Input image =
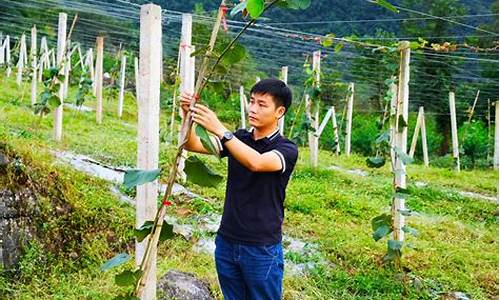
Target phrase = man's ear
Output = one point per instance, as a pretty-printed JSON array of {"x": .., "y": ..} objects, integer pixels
[{"x": 280, "y": 111}]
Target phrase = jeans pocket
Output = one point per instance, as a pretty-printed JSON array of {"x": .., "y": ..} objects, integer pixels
[{"x": 272, "y": 250}]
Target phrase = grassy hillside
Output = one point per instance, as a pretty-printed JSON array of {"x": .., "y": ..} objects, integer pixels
[{"x": 456, "y": 250}]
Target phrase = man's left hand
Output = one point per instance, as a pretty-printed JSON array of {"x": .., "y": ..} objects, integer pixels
[{"x": 207, "y": 118}]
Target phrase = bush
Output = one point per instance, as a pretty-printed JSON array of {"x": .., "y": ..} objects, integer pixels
[{"x": 474, "y": 148}]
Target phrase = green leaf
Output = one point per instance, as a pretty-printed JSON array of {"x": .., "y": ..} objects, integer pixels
[
  {"x": 134, "y": 177},
  {"x": 167, "y": 231},
  {"x": 295, "y": 4},
  {"x": 381, "y": 226},
  {"x": 405, "y": 212},
  {"x": 394, "y": 245},
  {"x": 338, "y": 47},
  {"x": 383, "y": 137},
  {"x": 405, "y": 158},
  {"x": 402, "y": 190},
  {"x": 197, "y": 172},
  {"x": 386, "y": 4},
  {"x": 328, "y": 40},
  {"x": 393, "y": 250},
  {"x": 142, "y": 232},
  {"x": 54, "y": 101},
  {"x": 375, "y": 162},
  {"x": 234, "y": 55},
  {"x": 117, "y": 260},
  {"x": 255, "y": 8},
  {"x": 410, "y": 230},
  {"x": 200, "y": 50},
  {"x": 381, "y": 232},
  {"x": 238, "y": 8},
  {"x": 400, "y": 195},
  {"x": 205, "y": 139},
  {"x": 401, "y": 123},
  {"x": 127, "y": 277}
]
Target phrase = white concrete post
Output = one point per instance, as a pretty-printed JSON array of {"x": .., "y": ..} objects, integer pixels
[
  {"x": 186, "y": 74},
  {"x": 98, "y": 77},
  {"x": 21, "y": 61},
  {"x": 400, "y": 139},
  {"x": 150, "y": 53},
  {"x": 348, "y": 129},
  {"x": 33, "y": 55},
  {"x": 497, "y": 134},
  {"x": 61, "y": 47},
  {"x": 335, "y": 132},
  {"x": 243, "y": 105},
  {"x": 122, "y": 85},
  {"x": 454, "y": 132},
  {"x": 7, "y": 55},
  {"x": 284, "y": 78}
]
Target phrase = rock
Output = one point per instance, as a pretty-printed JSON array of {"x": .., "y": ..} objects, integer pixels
[
  {"x": 79, "y": 108},
  {"x": 185, "y": 230},
  {"x": 17, "y": 208},
  {"x": 420, "y": 184},
  {"x": 209, "y": 223},
  {"x": 358, "y": 172},
  {"x": 4, "y": 161},
  {"x": 205, "y": 246},
  {"x": 456, "y": 296},
  {"x": 293, "y": 269},
  {"x": 182, "y": 286}
]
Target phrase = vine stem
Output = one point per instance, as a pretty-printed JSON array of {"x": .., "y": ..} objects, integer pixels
[{"x": 187, "y": 123}]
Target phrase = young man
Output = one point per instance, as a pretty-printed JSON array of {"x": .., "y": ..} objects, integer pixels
[{"x": 248, "y": 254}]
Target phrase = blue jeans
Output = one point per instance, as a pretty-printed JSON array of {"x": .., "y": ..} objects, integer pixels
[{"x": 249, "y": 272}]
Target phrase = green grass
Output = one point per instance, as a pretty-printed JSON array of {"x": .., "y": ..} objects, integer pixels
[{"x": 456, "y": 250}]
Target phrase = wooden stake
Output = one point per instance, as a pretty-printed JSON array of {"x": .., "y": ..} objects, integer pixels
[
  {"x": 348, "y": 129},
  {"x": 454, "y": 132},
  {"x": 61, "y": 46},
  {"x": 148, "y": 127},
  {"x": 400, "y": 137},
  {"x": 98, "y": 77},
  {"x": 284, "y": 78},
  {"x": 424, "y": 139},
  {"x": 335, "y": 132},
  {"x": 33, "y": 55},
  {"x": 415, "y": 134},
  {"x": 327, "y": 117},
  {"x": 497, "y": 135},
  {"x": 80, "y": 57},
  {"x": 122, "y": 85}
]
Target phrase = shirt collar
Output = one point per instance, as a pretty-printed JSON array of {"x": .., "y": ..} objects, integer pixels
[{"x": 270, "y": 136}]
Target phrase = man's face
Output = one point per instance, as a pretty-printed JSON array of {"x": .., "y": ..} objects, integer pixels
[{"x": 263, "y": 111}]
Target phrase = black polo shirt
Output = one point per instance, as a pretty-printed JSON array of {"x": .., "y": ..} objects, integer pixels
[{"x": 253, "y": 208}]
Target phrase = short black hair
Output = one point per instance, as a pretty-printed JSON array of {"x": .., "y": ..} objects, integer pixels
[{"x": 282, "y": 95}]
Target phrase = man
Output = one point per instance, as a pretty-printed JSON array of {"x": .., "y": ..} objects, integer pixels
[{"x": 248, "y": 254}]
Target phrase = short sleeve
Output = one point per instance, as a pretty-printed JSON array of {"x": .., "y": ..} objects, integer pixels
[
  {"x": 223, "y": 152},
  {"x": 288, "y": 153}
]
